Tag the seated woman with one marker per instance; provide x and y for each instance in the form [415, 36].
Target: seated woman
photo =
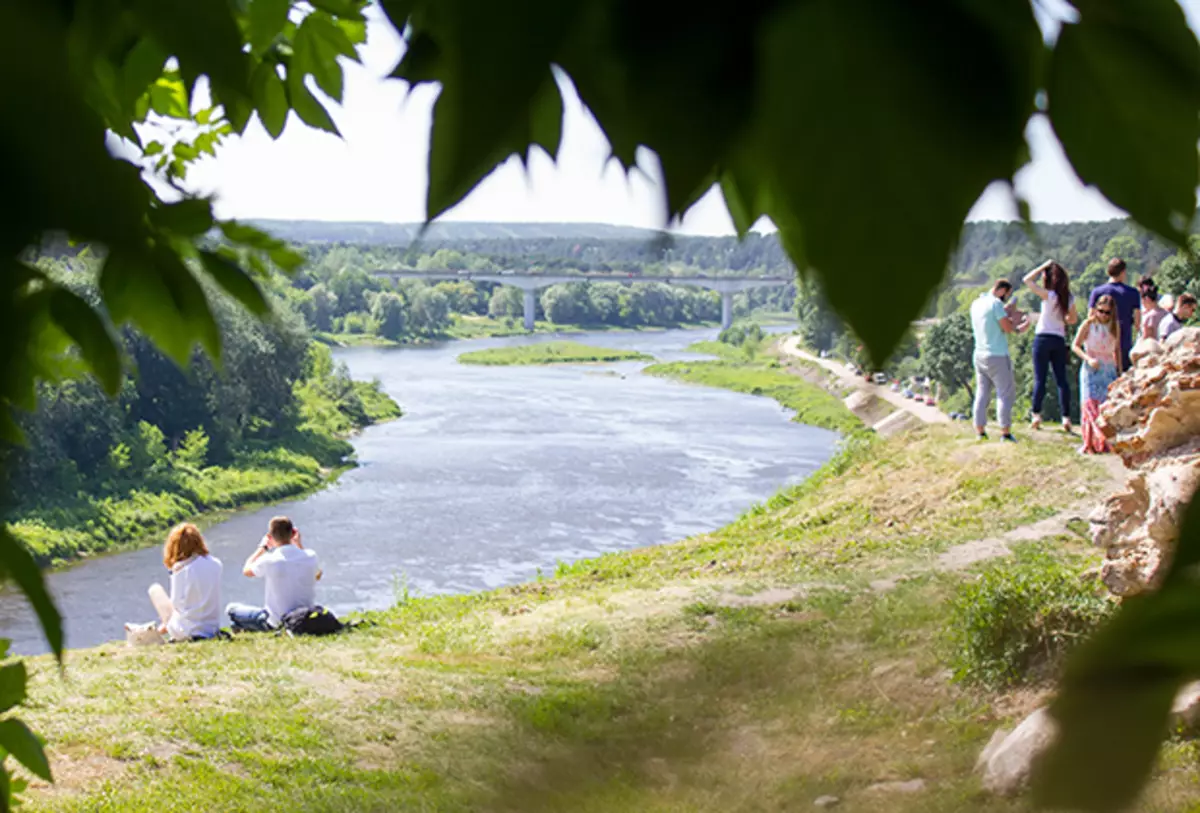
[193, 609]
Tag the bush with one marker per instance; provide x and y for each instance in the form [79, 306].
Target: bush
[1019, 619]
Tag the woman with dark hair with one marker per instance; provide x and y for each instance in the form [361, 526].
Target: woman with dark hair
[1098, 345]
[1152, 313]
[1050, 336]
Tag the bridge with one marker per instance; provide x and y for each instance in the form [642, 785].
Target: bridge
[530, 283]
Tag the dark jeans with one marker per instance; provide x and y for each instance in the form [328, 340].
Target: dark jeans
[1050, 351]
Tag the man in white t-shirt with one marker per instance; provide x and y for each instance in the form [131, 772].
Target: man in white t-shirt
[290, 571]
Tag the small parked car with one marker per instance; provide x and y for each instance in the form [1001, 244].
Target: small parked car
[929, 401]
[879, 378]
[895, 387]
[909, 394]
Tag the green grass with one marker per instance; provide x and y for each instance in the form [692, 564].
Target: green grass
[551, 353]
[812, 404]
[752, 668]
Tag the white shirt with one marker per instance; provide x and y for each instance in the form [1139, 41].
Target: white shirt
[195, 598]
[291, 575]
[1169, 324]
[1050, 320]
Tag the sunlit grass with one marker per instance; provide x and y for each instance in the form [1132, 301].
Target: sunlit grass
[551, 353]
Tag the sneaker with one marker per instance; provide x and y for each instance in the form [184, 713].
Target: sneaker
[1067, 428]
[1008, 437]
[1036, 423]
[981, 436]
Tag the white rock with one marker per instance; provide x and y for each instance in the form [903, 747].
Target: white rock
[1009, 763]
[911, 786]
[826, 801]
[1186, 708]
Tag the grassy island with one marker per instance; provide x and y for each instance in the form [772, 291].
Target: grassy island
[551, 353]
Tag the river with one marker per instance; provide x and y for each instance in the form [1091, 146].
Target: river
[492, 475]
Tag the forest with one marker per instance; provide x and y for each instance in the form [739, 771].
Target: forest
[97, 472]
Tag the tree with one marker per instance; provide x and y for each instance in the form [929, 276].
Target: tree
[388, 312]
[947, 353]
[429, 313]
[816, 113]
[1181, 271]
[506, 302]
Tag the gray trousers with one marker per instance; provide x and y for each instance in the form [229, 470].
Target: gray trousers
[994, 373]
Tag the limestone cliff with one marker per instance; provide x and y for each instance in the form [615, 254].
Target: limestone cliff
[1152, 420]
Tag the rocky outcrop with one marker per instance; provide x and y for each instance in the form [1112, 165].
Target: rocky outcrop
[1152, 420]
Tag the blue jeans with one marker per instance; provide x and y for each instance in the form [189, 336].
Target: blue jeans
[1051, 351]
[248, 618]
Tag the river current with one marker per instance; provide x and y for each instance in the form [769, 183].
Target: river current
[492, 475]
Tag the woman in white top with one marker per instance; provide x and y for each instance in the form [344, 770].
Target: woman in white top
[1050, 337]
[193, 609]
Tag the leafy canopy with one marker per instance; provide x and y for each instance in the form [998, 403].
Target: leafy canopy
[865, 129]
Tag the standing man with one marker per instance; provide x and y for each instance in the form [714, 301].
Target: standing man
[990, 323]
[290, 572]
[1129, 305]
[1185, 308]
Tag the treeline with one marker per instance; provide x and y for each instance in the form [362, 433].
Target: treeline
[96, 471]
[337, 292]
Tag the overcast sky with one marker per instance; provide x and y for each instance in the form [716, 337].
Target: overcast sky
[377, 171]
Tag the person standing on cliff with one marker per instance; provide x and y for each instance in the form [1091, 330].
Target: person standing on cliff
[291, 574]
[1128, 302]
[1185, 309]
[1098, 346]
[1152, 313]
[990, 324]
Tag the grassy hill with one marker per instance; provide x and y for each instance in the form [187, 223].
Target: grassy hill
[802, 650]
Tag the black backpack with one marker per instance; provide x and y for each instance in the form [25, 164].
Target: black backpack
[315, 620]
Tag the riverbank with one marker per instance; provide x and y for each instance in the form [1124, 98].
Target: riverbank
[800, 651]
[560, 352]
[748, 371]
[134, 514]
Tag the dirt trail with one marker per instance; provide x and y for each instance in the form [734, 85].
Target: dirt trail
[925, 412]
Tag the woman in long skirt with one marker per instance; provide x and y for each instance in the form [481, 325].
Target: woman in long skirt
[1098, 345]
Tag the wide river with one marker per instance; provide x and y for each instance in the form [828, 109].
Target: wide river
[492, 475]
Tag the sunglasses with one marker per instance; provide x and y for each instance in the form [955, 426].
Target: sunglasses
[1104, 313]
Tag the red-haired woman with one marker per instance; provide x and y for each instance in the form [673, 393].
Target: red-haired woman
[193, 609]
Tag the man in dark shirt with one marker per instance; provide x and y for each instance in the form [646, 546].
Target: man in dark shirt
[1129, 305]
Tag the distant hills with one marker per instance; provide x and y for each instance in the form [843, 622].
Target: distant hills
[400, 234]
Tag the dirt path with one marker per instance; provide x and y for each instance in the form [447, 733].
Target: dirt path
[924, 412]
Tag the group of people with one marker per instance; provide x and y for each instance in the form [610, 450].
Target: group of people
[191, 610]
[1117, 313]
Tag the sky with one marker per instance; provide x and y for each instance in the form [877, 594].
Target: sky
[376, 171]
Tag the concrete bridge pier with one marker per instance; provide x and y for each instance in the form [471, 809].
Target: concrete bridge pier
[530, 308]
[726, 309]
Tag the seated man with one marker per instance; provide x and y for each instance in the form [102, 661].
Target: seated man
[291, 575]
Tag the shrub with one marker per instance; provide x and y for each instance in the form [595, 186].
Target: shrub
[1016, 622]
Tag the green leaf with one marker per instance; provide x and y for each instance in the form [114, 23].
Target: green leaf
[168, 97]
[266, 21]
[25, 747]
[865, 156]
[18, 564]
[12, 685]
[189, 217]
[316, 47]
[492, 85]
[152, 149]
[351, 9]
[143, 65]
[1126, 106]
[158, 294]
[310, 111]
[236, 282]
[204, 37]
[546, 118]
[76, 318]
[740, 199]
[270, 98]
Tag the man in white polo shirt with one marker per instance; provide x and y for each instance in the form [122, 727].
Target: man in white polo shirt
[291, 573]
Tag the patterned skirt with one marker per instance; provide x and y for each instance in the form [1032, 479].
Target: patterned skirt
[1093, 390]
